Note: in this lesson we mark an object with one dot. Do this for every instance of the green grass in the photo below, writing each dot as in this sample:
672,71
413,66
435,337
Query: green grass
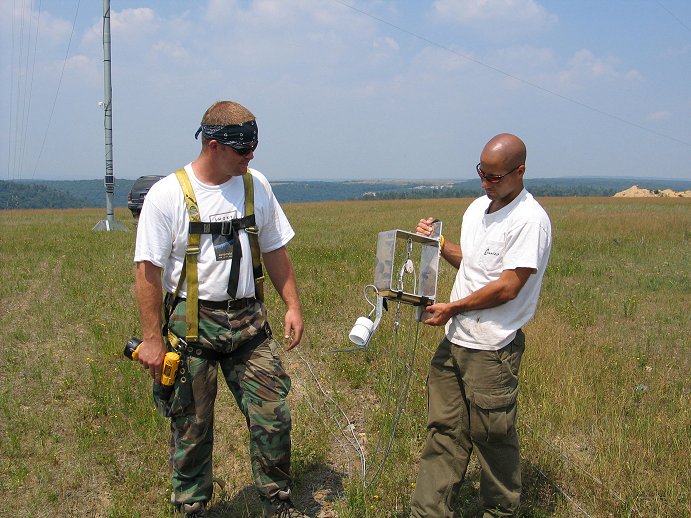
603,410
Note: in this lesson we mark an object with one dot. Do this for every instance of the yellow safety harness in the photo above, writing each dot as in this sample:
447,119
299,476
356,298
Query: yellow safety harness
196,229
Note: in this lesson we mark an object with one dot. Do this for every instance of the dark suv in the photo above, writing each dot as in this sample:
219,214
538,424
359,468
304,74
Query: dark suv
135,198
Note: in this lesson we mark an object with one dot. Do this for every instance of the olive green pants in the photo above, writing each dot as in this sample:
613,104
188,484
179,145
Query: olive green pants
471,405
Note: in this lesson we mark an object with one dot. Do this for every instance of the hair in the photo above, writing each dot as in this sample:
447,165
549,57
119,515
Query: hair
227,113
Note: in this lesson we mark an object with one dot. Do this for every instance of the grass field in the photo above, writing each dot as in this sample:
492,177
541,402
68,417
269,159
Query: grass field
603,409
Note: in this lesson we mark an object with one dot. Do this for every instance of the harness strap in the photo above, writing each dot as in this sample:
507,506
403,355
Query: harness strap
196,229
224,228
189,267
252,234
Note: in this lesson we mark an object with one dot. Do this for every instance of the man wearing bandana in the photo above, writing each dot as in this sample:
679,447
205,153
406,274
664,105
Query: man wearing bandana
232,322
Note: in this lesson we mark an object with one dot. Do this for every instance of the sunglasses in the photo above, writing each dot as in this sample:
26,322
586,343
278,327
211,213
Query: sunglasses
493,178
242,150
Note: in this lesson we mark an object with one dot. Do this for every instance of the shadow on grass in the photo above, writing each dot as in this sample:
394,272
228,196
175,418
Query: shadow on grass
315,491
538,499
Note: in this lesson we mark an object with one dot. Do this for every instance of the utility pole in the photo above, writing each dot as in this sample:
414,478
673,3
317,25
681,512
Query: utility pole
110,223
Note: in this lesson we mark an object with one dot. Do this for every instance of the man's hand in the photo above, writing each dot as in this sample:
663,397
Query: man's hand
280,270
293,328
441,313
425,227
151,355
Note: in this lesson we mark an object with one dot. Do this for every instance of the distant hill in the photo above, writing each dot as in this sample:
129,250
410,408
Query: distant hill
14,195
91,193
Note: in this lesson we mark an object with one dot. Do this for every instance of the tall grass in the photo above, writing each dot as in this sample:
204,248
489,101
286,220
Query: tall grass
603,410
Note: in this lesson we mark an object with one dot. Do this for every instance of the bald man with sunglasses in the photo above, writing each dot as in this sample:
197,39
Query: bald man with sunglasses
473,378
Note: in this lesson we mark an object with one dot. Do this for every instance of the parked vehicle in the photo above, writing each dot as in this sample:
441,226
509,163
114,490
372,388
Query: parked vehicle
141,186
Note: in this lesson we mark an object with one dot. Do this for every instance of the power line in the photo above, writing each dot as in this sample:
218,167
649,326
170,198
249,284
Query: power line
57,90
673,16
9,140
30,79
511,76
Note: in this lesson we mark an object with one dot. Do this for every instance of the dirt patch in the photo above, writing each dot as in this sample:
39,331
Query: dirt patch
636,192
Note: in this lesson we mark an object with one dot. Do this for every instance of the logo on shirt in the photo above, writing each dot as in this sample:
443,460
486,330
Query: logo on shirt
489,252
223,245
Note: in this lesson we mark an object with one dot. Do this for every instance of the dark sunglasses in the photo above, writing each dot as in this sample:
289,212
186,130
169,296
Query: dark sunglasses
244,151
493,178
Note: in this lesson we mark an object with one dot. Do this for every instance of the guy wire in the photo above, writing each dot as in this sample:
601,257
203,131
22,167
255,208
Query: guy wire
392,376
326,425
400,402
394,352
354,443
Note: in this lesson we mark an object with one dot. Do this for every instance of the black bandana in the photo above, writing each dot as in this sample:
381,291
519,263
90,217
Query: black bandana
236,135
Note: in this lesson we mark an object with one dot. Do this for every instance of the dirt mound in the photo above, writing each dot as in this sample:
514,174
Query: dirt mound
637,192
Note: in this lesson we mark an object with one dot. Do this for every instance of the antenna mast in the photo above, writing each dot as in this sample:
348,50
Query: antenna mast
110,223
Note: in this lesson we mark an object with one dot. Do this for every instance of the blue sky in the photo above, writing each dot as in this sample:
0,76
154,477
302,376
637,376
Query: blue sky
350,89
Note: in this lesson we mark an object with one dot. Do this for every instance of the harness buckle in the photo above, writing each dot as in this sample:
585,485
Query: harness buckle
252,230
226,228
192,250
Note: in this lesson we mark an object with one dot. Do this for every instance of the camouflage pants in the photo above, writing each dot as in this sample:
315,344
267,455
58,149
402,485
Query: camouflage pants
257,380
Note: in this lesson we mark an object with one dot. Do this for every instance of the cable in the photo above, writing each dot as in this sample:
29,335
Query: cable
355,444
27,109
9,140
401,398
673,16
572,463
519,79
57,91
563,493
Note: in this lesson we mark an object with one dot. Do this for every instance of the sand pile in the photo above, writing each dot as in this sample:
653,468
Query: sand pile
637,192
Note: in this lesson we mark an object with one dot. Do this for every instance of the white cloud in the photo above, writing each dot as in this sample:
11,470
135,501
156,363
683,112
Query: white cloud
633,75
660,116
526,14
128,27
386,43
441,60
585,67
523,57
171,50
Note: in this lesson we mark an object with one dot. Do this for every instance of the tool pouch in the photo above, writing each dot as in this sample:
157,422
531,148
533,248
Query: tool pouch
175,401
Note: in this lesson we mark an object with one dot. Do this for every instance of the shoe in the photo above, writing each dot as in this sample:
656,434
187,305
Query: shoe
194,510
282,507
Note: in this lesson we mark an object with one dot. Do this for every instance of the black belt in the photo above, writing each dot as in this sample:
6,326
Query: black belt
194,349
230,304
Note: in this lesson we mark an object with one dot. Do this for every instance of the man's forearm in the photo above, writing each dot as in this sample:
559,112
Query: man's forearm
148,291
495,293
452,254
280,270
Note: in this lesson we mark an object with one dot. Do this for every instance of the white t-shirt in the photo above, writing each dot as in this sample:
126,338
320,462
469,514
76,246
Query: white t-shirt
163,228
516,236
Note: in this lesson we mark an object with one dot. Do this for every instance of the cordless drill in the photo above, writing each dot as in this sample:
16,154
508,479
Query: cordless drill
170,363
